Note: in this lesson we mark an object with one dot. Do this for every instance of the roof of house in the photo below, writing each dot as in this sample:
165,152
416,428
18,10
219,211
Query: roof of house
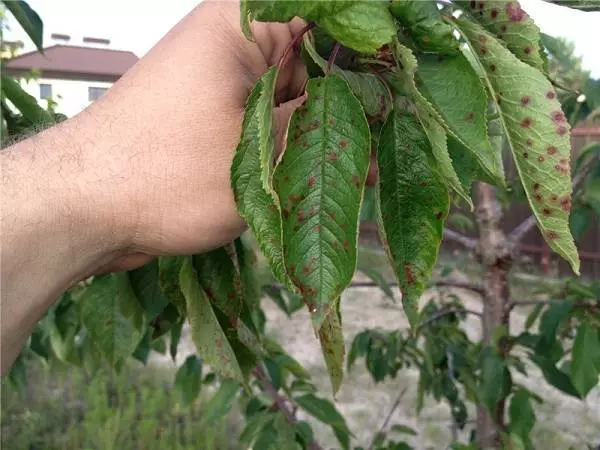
67,59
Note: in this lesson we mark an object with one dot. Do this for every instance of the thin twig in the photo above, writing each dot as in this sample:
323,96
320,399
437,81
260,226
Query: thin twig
465,241
333,56
389,417
524,227
458,284
296,39
512,303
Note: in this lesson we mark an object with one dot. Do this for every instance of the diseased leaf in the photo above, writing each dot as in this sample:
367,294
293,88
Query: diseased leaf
507,20
207,333
246,259
29,20
259,207
112,316
584,372
403,81
455,91
537,133
370,91
425,25
320,183
145,284
188,380
584,5
413,204
25,103
220,281
362,26
168,280
332,344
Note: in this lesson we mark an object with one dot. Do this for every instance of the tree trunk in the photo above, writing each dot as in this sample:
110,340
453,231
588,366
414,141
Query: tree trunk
495,256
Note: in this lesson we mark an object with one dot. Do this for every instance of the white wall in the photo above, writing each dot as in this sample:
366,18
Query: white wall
71,96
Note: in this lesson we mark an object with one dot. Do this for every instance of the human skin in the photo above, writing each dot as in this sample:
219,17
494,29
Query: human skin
142,172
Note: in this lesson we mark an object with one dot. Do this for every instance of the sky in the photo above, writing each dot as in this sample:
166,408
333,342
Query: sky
137,25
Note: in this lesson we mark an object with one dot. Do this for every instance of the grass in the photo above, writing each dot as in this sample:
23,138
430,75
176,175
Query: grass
136,409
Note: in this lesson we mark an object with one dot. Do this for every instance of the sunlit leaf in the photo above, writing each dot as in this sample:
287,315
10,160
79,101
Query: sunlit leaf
29,20
25,103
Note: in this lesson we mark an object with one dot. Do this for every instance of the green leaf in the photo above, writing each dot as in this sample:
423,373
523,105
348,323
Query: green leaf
320,183
495,380
188,380
550,322
580,220
584,372
403,81
144,283
304,433
29,20
246,260
413,204
378,279
291,365
254,426
25,103
522,416
220,280
142,351
362,26
245,19
587,152
285,438
537,133
207,333
359,347
332,345
112,315
64,328
220,403
175,338
512,25
442,81
370,91
425,25
403,429
533,315
165,321
324,411
168,280
258,206
584,5
554,376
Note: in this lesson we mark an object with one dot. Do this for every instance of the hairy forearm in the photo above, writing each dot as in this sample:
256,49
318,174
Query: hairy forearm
53,233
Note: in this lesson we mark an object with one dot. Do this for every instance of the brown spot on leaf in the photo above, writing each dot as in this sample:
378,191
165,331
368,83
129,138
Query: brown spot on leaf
469,117
306,270
300,215
525,100
547,211
409,274
536,186
343,144
293,199
525,155
311,181
356,180
332,157
527,50
551,95
313,125
551,150
515,13
331,122
554,197
483,49
493,67
541,158
526,122
558,117
494,13
538,197
561,131
503,28
552,235
473,4
317,229
482,38
285,213
439,215
423,183
565,204
529,142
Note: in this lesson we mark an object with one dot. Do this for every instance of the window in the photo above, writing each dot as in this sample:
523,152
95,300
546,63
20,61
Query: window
95,92
45,91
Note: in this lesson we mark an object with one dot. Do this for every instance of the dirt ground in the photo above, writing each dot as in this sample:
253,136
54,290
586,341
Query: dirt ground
563,422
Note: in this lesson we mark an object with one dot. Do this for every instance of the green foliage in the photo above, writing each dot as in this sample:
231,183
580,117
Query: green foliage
29,20
389,78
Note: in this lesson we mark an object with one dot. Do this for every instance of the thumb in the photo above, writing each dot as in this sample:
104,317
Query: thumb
282,115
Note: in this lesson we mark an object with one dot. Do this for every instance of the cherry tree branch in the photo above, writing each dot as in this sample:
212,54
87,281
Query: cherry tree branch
446,312
283,404
465,241
389,417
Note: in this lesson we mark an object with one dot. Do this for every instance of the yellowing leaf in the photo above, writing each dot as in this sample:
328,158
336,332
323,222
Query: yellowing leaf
537,133
332,344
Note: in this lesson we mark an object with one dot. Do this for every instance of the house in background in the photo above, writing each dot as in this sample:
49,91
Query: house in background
73,76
